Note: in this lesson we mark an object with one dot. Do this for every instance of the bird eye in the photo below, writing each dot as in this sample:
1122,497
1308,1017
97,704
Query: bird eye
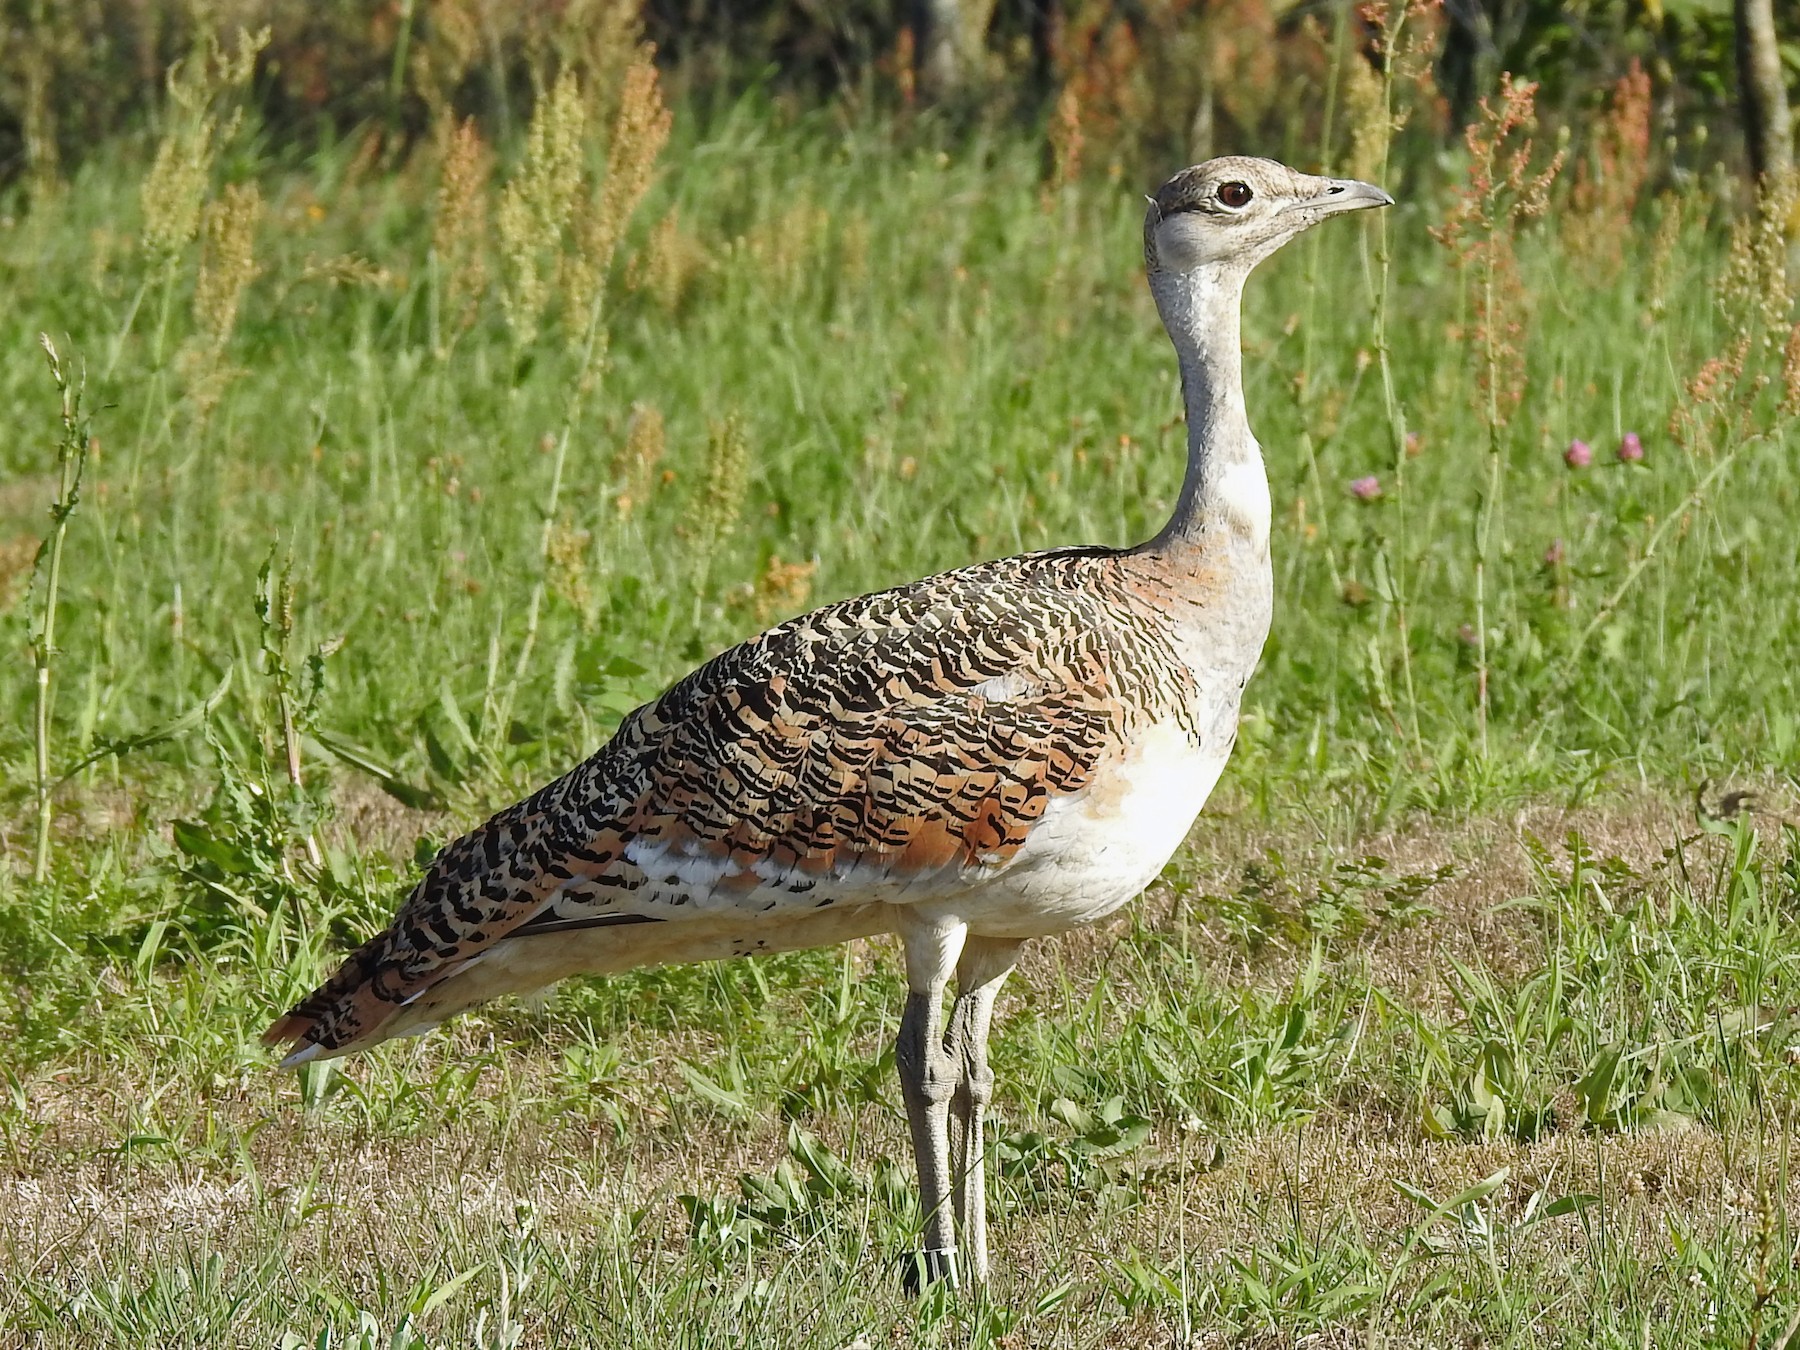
1235,194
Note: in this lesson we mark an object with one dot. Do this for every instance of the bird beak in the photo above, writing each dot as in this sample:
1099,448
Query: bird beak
1344,194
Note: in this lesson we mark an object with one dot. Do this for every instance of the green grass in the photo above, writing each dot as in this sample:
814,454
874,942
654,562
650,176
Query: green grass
1281,1103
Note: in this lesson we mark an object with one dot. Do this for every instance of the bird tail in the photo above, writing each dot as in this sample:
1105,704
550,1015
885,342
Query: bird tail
477,890
348,999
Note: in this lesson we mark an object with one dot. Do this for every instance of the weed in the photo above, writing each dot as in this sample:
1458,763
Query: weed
536,207
814,356
458,255
71,462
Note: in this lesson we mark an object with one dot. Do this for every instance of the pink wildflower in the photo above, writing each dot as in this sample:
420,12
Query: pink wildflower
1631,449
1553,555
1579,454
1365,489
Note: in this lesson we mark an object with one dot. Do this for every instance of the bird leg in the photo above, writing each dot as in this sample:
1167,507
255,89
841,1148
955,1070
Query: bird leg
928,1079
983,969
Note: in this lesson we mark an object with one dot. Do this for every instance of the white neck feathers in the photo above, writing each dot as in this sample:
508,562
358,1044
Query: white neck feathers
1225,495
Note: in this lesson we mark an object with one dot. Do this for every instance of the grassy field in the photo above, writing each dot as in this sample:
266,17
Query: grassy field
1457,1023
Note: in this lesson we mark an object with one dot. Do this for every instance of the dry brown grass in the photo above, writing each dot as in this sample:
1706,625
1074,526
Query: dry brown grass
248,1166
342,1204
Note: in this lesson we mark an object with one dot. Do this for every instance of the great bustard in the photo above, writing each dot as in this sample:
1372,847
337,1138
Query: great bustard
994,754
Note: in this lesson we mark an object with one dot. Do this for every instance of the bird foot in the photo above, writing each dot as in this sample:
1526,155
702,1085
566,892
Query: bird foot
932,1265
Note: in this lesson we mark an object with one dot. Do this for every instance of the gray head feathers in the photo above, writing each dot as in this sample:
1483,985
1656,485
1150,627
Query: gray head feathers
1236,210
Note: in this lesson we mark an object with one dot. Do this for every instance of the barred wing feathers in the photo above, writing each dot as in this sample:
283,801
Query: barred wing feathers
883,749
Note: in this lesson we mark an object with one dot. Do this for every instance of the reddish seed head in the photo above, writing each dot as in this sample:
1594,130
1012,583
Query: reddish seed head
1365,489
1631,449
1415,445
1579,454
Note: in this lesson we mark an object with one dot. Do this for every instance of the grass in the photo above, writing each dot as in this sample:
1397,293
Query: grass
1435,1115
1429,1038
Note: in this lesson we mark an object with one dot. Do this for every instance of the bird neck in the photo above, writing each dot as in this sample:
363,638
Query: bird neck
1225,495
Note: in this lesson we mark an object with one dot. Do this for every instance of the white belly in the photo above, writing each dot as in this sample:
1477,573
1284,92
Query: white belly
1097,850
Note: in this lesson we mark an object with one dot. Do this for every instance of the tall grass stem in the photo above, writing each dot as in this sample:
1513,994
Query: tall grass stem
1394,21
71,461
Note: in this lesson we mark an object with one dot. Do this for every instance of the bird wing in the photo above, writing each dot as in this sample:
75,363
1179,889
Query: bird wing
890,748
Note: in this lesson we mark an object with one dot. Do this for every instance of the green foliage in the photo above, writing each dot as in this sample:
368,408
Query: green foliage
1275,904
326,604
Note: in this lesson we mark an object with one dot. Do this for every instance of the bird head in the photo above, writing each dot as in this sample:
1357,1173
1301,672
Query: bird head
1239,210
